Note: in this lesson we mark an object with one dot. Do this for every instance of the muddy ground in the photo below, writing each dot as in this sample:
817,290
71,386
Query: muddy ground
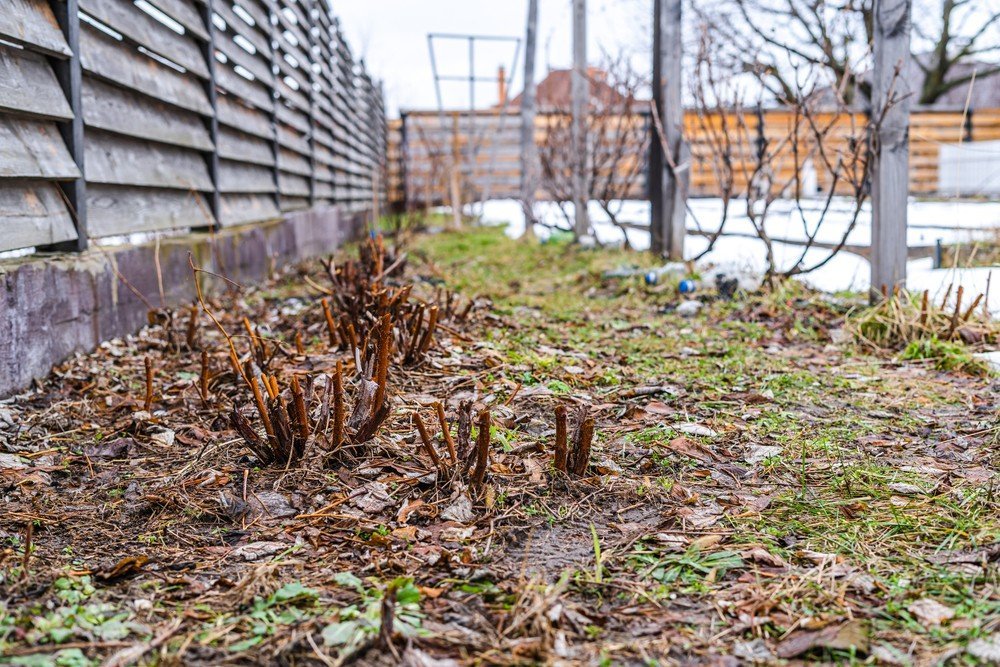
760,488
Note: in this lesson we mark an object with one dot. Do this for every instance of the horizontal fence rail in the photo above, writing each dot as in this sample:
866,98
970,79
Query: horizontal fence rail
119,117
426,147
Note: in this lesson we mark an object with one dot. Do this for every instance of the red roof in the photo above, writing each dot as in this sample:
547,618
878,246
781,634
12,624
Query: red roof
554,92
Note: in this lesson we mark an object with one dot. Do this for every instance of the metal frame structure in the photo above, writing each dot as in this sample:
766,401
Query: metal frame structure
473,146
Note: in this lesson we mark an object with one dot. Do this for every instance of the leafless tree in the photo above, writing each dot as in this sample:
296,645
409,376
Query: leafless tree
776,39
617,136
763,162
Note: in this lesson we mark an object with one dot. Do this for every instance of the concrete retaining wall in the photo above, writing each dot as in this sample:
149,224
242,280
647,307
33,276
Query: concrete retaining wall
51,307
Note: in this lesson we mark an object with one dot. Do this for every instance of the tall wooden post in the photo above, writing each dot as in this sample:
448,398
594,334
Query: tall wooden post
529,151
581,101
890,150
668,173
212,159
70,76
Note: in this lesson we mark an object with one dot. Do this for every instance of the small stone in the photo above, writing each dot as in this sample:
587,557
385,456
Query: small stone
257,550
271,504
164,437
986,649
906,489
689,308
754,651
12,461
110,449
696,429
760,453
460,510
930,612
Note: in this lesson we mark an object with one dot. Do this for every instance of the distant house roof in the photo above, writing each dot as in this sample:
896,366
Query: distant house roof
554,92
985,89
985,92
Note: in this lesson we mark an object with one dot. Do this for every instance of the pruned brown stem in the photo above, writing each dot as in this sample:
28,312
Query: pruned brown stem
261,407
382,367
924,308
203,378
446,432
482,450
192,329
583,438
958,309
561,450
250,436
972,308
301,414
428,337
465,434
425,439
331,324
338,405
148,403
388,619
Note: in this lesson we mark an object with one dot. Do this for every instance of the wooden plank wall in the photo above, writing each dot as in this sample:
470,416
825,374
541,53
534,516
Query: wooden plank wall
34,158
196,114
421,149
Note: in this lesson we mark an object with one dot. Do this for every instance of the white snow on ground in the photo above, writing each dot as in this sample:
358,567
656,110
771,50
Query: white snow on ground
951,222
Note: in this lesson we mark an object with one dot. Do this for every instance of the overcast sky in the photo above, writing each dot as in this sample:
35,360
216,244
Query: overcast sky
392,37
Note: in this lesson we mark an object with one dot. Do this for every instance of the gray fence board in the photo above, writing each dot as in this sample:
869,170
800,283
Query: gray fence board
33,149
29,86
292,185
251,91
121,15
238,209
115,62
236,145
115,109
236,115
256,11
254,64
184,12
237,26
31,23
243,178
278,105
118,160
33,214
114,210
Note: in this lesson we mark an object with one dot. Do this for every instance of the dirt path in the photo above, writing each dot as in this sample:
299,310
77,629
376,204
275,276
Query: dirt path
755,492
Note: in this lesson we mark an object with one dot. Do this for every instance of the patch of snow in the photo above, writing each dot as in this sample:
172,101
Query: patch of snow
929,221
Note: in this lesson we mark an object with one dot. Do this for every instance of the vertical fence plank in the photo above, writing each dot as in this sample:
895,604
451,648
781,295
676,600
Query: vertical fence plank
272,18
890,144
529,151
70,76
581,104
206,10
668,171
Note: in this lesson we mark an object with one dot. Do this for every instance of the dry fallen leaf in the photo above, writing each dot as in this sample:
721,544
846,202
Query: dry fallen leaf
846,636
930,612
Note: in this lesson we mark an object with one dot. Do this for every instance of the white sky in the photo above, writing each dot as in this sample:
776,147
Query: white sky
391,35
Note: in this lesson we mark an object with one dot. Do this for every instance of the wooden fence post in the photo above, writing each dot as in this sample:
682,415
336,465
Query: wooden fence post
581,104
70,76
668,173
890,144
208,52
272,18
312,12
529,151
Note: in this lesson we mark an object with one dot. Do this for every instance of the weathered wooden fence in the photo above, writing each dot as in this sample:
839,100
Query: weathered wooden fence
423,147
124,116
